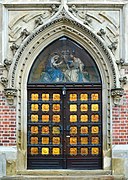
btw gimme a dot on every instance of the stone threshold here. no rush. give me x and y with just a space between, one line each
64 172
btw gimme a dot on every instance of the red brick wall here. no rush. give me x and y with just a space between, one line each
7 123
120 122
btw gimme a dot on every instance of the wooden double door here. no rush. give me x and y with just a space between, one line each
64 129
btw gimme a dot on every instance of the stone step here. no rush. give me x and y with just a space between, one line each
87 177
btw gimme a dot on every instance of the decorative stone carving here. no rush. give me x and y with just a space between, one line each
4 81
101 32
73 9
10 94
87 20
54 9
123 80
14 48
117 93
7 64
120 62
38 21
113 46
24 34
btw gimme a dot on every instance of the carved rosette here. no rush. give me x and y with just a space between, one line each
10 95
117 94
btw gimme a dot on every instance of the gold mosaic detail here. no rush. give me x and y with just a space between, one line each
84 130
56 107
56 130
95 97
34 97
95 151
73 118
84 151
84 97
84 118
73 140
45 97
84 107
45 140
56 118
45 118
73 97
45 107
45 130
34 140
95 140
45 151
95 118
34 107
56 140
56 97
34 129
34 118
73 130
84 140
73 151
56 151
94 107
73 107
95 129
34 150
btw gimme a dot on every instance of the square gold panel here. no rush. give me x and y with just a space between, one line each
45 118
34 118
84 140
34 150
73 130
45 151
73 97
84 107
73 140
56 151
95 151
95 140
84 151
45 140
45 97
73 118
34 140
84 130
55 130
45 107
56 97
34 107
95 97
84 118
84 97
56 118
45 129
95 118
56 140
73 107
94 107
73 151
34 97
34 129
95 129
56 107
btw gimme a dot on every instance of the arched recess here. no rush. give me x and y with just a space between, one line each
24 59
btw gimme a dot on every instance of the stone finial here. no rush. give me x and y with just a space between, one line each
38 22
14 48
123 80
117 93
73 9
53 8
10 95
101 32
7 64
4 81
87 20
120 62
24 34
113 45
